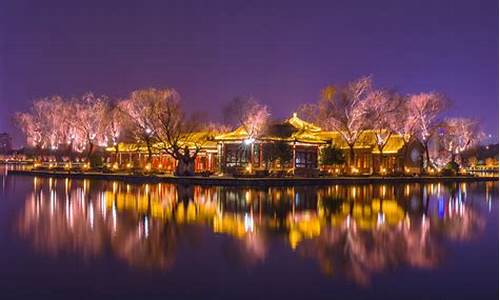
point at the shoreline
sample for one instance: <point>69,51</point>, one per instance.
<point>238,181</point>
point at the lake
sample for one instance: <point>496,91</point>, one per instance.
<point>84,239</point>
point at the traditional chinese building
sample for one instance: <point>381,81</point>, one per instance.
<point>238,152</point>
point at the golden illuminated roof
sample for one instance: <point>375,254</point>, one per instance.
<point>292,129</point>
<point>202,139</point>
<point>367,140</point>
<point>301,124</point>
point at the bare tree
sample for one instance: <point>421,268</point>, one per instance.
<point>90,119</point>
<point>426,109</point>
<point>114,126</point>
<point>141,113</point>
<point>309,112</point>
<point>382,113</point>
<point>459,134</point>
<point>248,113</point>
<point>31,128</point>
<point>345,110</point>
<point>405,124</point>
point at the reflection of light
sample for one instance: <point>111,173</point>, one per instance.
<point>249,224</point>
<point>441,208</point>
<point>91,215</point>
<point>146,227</point>
<point>380,219</point>
<point>113,214</point>
<point>103,205</point>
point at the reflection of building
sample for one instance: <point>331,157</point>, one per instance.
<point>356,230</point>
<point>237,151</point>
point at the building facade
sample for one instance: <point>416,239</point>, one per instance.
<point>236,152</point>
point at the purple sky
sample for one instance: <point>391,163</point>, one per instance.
<point>282,53</point>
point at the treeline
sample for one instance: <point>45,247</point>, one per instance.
<point>157,119</point>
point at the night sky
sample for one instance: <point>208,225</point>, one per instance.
<point>282,52</point>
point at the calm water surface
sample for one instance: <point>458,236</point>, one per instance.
<point>83,239</point>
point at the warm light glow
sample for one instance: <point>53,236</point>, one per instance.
<point>249,141</point>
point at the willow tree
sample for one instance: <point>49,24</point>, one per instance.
<point>160,121</point>
<point>115,125</point>
<point>344,109</point>
<point>90,119</point>
<point>47,124</point>
<point>140,111</point>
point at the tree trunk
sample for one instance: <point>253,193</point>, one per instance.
<point>91,149</point>
<point>427,156</point>
<point>150,152</point>
<point>352,159</point>
<point>185,165</point>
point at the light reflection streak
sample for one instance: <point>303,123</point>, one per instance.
<point>363,230</point>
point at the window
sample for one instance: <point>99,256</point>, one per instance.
<point>306,159</point>
<point>236,156</point>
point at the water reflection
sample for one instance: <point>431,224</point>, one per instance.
<point>350,231</point>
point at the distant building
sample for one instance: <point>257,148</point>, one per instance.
<point>5,143</point>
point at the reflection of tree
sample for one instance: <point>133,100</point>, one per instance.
<point>353,230</point>
<point>248,251</point>
<point>56,227</point>
<point>154,251</point>
<point>359,253</point>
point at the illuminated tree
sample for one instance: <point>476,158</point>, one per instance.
<point>405,124</point>
<point>459,134</point>
<point>248,113</point>
<point>90,120</point>
<point>426,109</point>
<point>48,125</point>
<point>115,125</point>
<point>345,110</point>
<point>141,112</point>
<point>383,115</point>
<point>31,128</point>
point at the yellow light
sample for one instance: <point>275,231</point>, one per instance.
<point>148,167</point>
<point>115,166</point>
<point>160,166</point>
<point>129,165</point>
